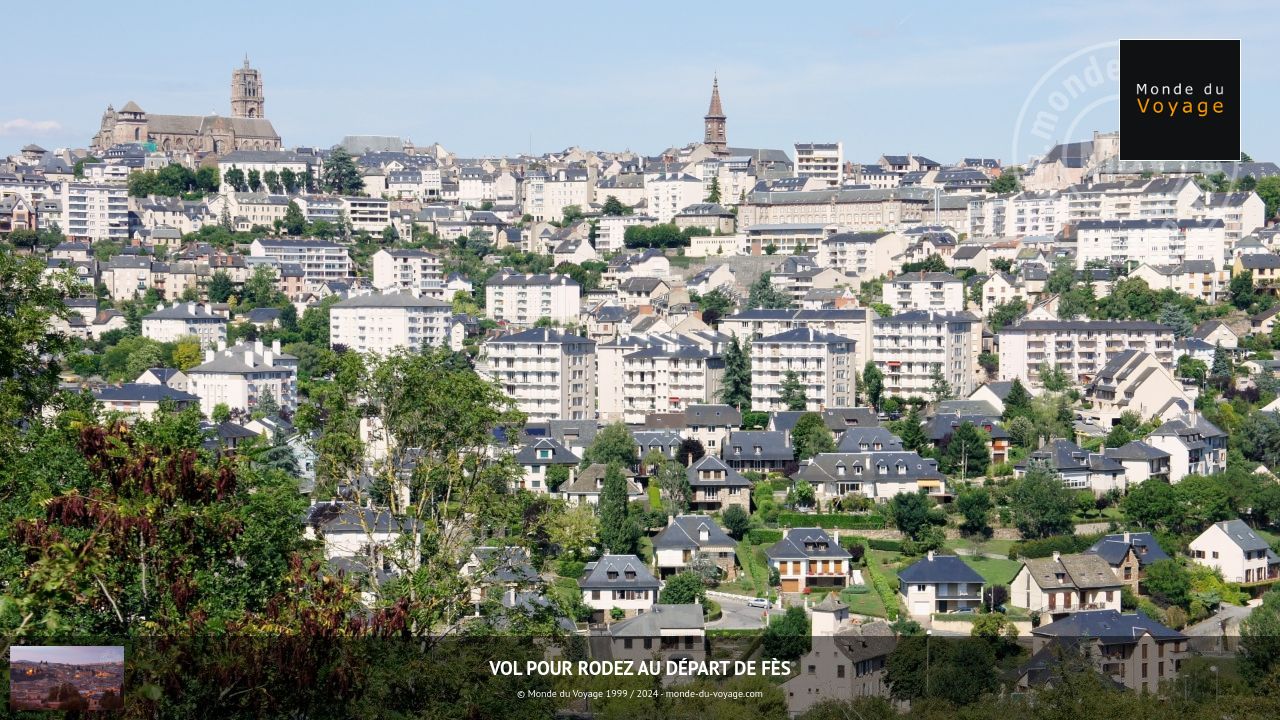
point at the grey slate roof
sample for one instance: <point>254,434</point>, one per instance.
<point>1113,548</point>
<point>684,531</point>
<point>732,478</point>
<point>713,415</point>
<point>658,618</point>
<point>1111,626</point>
<point>1242,535</point>
<point>630,574</point>
<point>395,299</point>
<point>939,569</point>
<point>802,543</point>
<point>741,445</point>
<point>865,439</point>
<point>142,392</point>
<point>560,455</point>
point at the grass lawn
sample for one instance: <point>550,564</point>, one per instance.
<point>566,589</point>
<point>995,546</point>
<point>646,549</point>
<point>994,571</point>
<point>655,497</point>
<point>682,261</point>
<point>864,603</point>
<point>753,574</point>
<point>1111,513</point>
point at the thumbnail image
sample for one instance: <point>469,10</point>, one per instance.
<point>66,677</point>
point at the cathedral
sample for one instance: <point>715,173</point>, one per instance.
<point>246,129</point>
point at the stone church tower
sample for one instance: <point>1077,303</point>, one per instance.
<point>246,92</point>
<point>714,123</point>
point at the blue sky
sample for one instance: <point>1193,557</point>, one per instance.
<point>68,654</point>
<point>945,80</point>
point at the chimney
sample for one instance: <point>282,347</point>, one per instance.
<point>248,358</point>
<point>930,554</point>
<point>1126,537</point>
<point>275,346</point>
<point>191,308</point>
<point>159,306</point>
<point>835,536</point>
<point>268,358</point>
<point>257,346</point>
<point>222,345</point>
<point>1057,556</point>
<point>208,355</point>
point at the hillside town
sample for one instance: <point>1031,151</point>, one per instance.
<point>935,431</point>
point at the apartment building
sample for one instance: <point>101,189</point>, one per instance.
<point>320,260</point>
<point>862,254</point>
<point>546,195</point>
<point>666,194</point>
<point>1080,348</point>
<point>412,271</point>
<point>243,376</point>
<point>1133,381</point>
<point>169,324</point>
<point>932,291</point>
<point>849,209</point>
<point>1195,446</point>
<point>669,375</point>
<point>550,374</point>
<point>824,161</point>
<point>367,213</point>
<point>523,299</point>
<point>1153,199</point>
<point>911,348</point>
<point>611,230</point>
<point>1160,242</point>
<point>1017,214</point>
<point>95,211</point>
<point>716,487</point>
<point>1130,649</point>
<point>384,323</point>
<point>853,323</point>
<point>822,362</point>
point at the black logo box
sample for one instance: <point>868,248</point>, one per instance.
<point>1187,68</point>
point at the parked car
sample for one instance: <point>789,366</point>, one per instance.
<point>762,603</point>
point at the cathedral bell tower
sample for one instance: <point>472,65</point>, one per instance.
<point>714,123</point>
<point>246,92</point>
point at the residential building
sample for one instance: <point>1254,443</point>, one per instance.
<point>1159,242</point>
<point>809,558</point>
<point>618,581</point>
<point>1131,650</point>
<point>912,349</point>
<point>766,451</point>
<point>588,486</point>
<point>190,319</point>
<point>141,399</point>
<point>1079,348</point>
<point>1235,550</point>
<point>504,571</point>
<point>874,475</point>
<point>1129,554</point>
<point>687,536</point>
<point>244,376</point>
<point>384,323</point>
<point>716,486</point>
<point>1134,381</point>
<point>523,299</point>
<point>931,291</point>
<point>666,633</point>
<point>670,374</point>
<point>1198,279</point>
<point>412,271</point>
<point>93,211</point>
<point>537,458</point>
<point>1265,268</point>
<point>712,424</point>
<point>846,660</point>
<point>364,539</point>
<point>1065,583</point>
<point>822,362</point>
<point>824,161</point>
<point>668,193</point>
<point>1079,469</point>
<point>551,374</point>
<point>1195,446</point>
<point>320,260</point>
<point>939,584</point>
<point>1141,462</point>
<point>169,377</point>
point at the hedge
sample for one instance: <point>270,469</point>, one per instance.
<point>1045,547</point>
<point>885,545</point>
<point>832,522</point>
<point>888,595</point>
<point>764,536</point>
<point>570,568</point>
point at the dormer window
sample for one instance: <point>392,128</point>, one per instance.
<point>881,470</point>
<point>840,469</point>
<point>902,469</point>
<point>857,469</point>
<point>613,574</point>
<point>544,454</point>
<point>631,574</point>
<point>757,449</point>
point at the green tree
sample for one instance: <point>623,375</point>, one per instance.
<point>289,181</point>
<point>340,175</point>
<point>684,588</point>
<point>1169,582</point>
<point>1221,367</point>
<point>801,494</point>
<point>736,521</point>
<point>713,195</point>
<point>29,347</point>
<point>975,507</point>
<point>1241,288</point>
<point>295,223</point>
<point>787,637</point>
<point>260,289</point>
<point>1258,438</point>
<point>619,533</point>
<point>714,305</point>
<point>1152,504</point>
<point>966,452</point>
<point>1006,183</point>
<point>613,444</point>
<point>910,513</point>
<point>1260,641</point>
<point>810,436</point>
<point>939,388</point>
<point>911,431</point>
<point>221,413</point>
<point>1268,188</point>
<point>187,354</point>
<point>872,384</point>
<point>575,530</point>
<point>254,180</point>
<point>673,480</point>
<point>735,384</point>
<point>1173,316</point>
<point>614,206</point>
<point>271,179</point>
<point>1042,505</point>
<point>1006,314</point>
<point>1018,402</point>
<point>764,295</point>
<point>236,179</point>
<point>1022,430</point>
<point>792,393</point>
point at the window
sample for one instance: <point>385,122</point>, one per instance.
<point>813,670</point>
<point>921,588</point>
<point>626,643</point>
<point>840,671</point>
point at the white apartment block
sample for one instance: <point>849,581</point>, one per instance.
<point>1241,213</point>
<point>385,323</point>
<point>1159,242</point>
<point>321,208</point>
<point>367,213</point>
<point>1018,214</point>
<point>666,194</point>
<point>522,299</point>
<point>611,230</point>
<point>824,161</point>
<point>1157,199</point>
<point>550,374</point>
<point>264,161</point>
<point>822,362</point>
<point>413,271</point>
<point>1080,348</point>
<point>242,377</point>
<point>95,211</point>
<point>669,375</point>
<point>320,260</point>
<point>862,254</point>
<point>169,324</point>
<point>613,402</point>
<point>546,195</point>
<point>933,291</point>
<point>909,348</point>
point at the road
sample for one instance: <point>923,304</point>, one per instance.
<point>1207,636</point>
<point>735,615</point>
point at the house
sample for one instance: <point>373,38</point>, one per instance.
<point>759,451</point>
<point>874,475</point>
<point>940,427</point>
<point>1265,268</point>
<point>845,660</point>
<point>972,256</point>
<point>1065,583</point>
<point>665,442</point>
<point>939,584</point>
<point>808,558</point>
<point>1133,381</point>
<point>618,581</point>
<point>1078,468</point>
<point>538,457</point>
<point>686,536</point>
<point>1216,332</point>
<point>711,424</point>
<point>666,633</point>
<point>372,538</point>
<point>1130,650</point>
<point>868,439</point>
<point>588,486</point>
<point>993,393</point>
<point>1235,550</point>
<point>716,486</point>
<point>141,399</point>
<point>1195,446</point>
<point>1129,555</point>
<point>1263,322</point>
<point>1141,462</point>
<point>504,571</point>
<point>169,377</point>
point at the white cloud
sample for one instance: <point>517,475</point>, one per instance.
<point>19,126</point>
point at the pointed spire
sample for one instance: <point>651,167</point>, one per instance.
<point>715,110</point>
<point>246,61</point>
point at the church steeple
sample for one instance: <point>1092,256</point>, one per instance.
<point>247,100</point>
<point>714,122</point>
